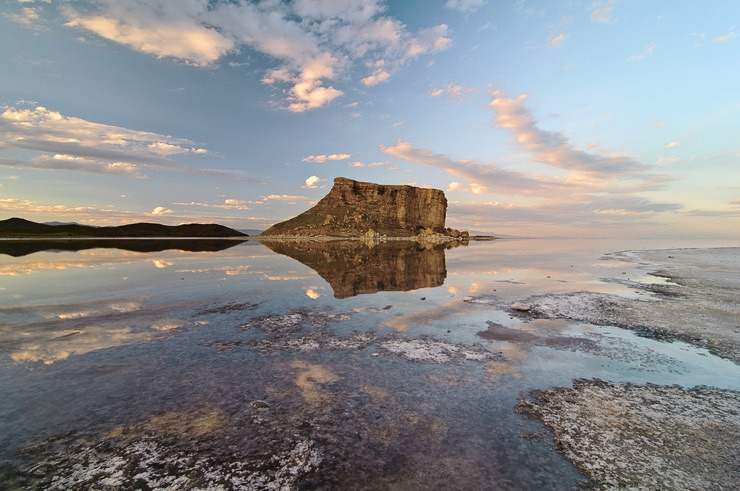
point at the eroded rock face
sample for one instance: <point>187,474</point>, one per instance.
<point>357,209</point>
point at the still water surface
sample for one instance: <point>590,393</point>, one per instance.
<point>320,365</point>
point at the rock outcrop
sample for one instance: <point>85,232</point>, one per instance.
<point>364,209</point>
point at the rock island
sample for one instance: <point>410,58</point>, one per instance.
<point>368,210</point>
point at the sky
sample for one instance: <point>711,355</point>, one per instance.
<point>606,118</point>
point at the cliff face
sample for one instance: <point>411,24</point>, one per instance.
<point>354,209</point>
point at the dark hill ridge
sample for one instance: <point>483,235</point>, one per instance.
<point>364,209</point>
<point>19,227</point>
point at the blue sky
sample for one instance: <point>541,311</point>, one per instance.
<point>571,118</point>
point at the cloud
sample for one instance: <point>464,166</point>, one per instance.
<point>484,177</point>
<point>673,145</point>
<point>290,198</point>
<point>602,12</point>
<point>648,51</point>
<point>311,42</point>
<point>27,17</point>
<point>59,142</point>
<point>323,158</point>
<point>161,210</point>
<point>228,204</point>
<point>457,93</point>
<point>312,181</point>
<point>553,148</point>
<point>726,37</point>
<point>465,6</point>
<point>579,188</point>
<point>379,76</point>
<point>357,163</point>
<point>556,40</point>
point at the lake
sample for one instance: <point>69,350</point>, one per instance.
<point>309,365</point>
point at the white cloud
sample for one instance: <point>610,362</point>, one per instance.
<point>323,158</point>
<point>161,210</point>
<point>69,143</point>
<point>312,181</point>
<point>673,145</point>
<point>357,163</point>
<point>311,42</point>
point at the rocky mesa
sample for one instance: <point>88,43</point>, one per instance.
<point>364,209</point>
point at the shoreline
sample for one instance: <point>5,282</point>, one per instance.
<point>627,436</point>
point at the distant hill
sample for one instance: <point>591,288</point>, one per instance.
<point>19,227</point>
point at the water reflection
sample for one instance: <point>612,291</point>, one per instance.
<point>18,248</point>
<point>354,267</point>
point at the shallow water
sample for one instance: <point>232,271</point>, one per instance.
<point>395,370</point>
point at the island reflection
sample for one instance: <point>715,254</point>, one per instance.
<point>354,267</point>
<point>24,247</point>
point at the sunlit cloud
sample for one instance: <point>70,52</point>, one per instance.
<point>311,42</point>
<point>161,210</point>
<point>484,177</point>
<point>556,40</point>
<point>357,163</point>
<point>61,142</point>
<point>583,186</point>
<point>730,35</point>
<point>312,181</point>
<point>455,92</point>
<point>673,145</point>
<point>553,148</point>
<point>602,12</point>
<point>323,158</point>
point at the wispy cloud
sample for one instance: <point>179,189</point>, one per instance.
<point>553,148</point>
<point>311,41</point>
<point>587,186</point>
<point>485,177</point>
<point>323,158</point>
<point>556,40</point>
<point>730,35</point>
<point>227,204</point>
<point>602,12</point>
<point>59,142</point>
<point>455,92</point>
<point>648,51</point>
<point>357,163</point>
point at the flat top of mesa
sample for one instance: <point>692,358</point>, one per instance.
<point>364,209</point>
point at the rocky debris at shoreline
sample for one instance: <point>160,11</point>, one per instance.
<point>644,437</point>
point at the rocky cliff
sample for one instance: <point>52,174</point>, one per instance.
<point>364,209</point>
